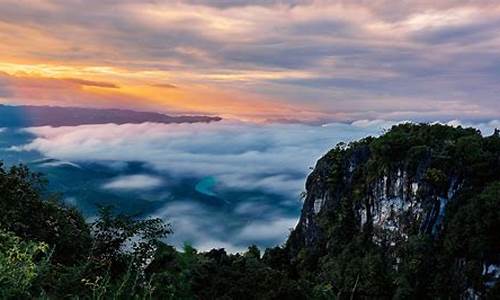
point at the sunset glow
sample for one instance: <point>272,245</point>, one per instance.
<point>273,60</point>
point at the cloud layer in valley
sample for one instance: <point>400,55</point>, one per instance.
<point>273,159</point>
<point>134,182</point>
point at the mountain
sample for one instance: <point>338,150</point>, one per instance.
<point>31,116</point>
<point>414,214</point>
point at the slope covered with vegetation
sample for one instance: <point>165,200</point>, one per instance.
<point>48,251</point>
<point>414,213</point>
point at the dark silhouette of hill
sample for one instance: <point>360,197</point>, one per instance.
<point>29,116</point>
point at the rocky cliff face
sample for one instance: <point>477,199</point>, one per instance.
<point>392,204</point>
<point>408,184</point>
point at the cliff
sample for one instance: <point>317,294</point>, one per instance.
<point>405,198</point>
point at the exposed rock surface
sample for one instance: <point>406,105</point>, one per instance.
<point>394,202</point>
<point>391,188</point>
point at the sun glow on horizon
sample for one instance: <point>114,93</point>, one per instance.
<point>150,89</point>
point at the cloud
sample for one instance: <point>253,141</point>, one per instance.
<point>42,90</point>
<point>166,85</point>
<point>272,157</point>
<point>271,230</point>
<point>241,156</point>
<point>92,83</point>
<point>486,128</point>
<point>205,228</point>
<point>201,227</point>
<point>59,164</point>
<point>252,206</point>
<point>260,170</point>
<point>134,182</point>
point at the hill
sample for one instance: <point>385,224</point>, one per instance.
<point>413,213</point>
<point>32,116</point>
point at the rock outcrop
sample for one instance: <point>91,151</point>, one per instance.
<point>407,183</point>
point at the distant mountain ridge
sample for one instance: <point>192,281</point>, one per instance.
<point>31,116</point>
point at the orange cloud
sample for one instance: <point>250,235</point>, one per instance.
<point>51,85</point>
<point>84,82</point>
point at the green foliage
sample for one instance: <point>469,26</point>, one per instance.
<point>112,233</point>
<point>122,248</point>
<point>170,272</point>
<point>335,158</point>
<point>472,232</point>
<point>437,179</point>
<point>27,214</point>
<point>100,260</point>
<point>323,291</point>
<point>253,252</point>
<point>20,264</point>
<point>416,263</point>
<point>471,235</point>
<point>225,276</point>
<point>360,269</point>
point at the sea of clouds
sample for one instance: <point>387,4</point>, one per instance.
<point>273,158</point>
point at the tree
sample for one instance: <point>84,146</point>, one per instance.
<point>31,216</point>
<point>20,264</point>
<point>116,237</point>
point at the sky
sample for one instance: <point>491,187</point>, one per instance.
<point>287,61</point>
